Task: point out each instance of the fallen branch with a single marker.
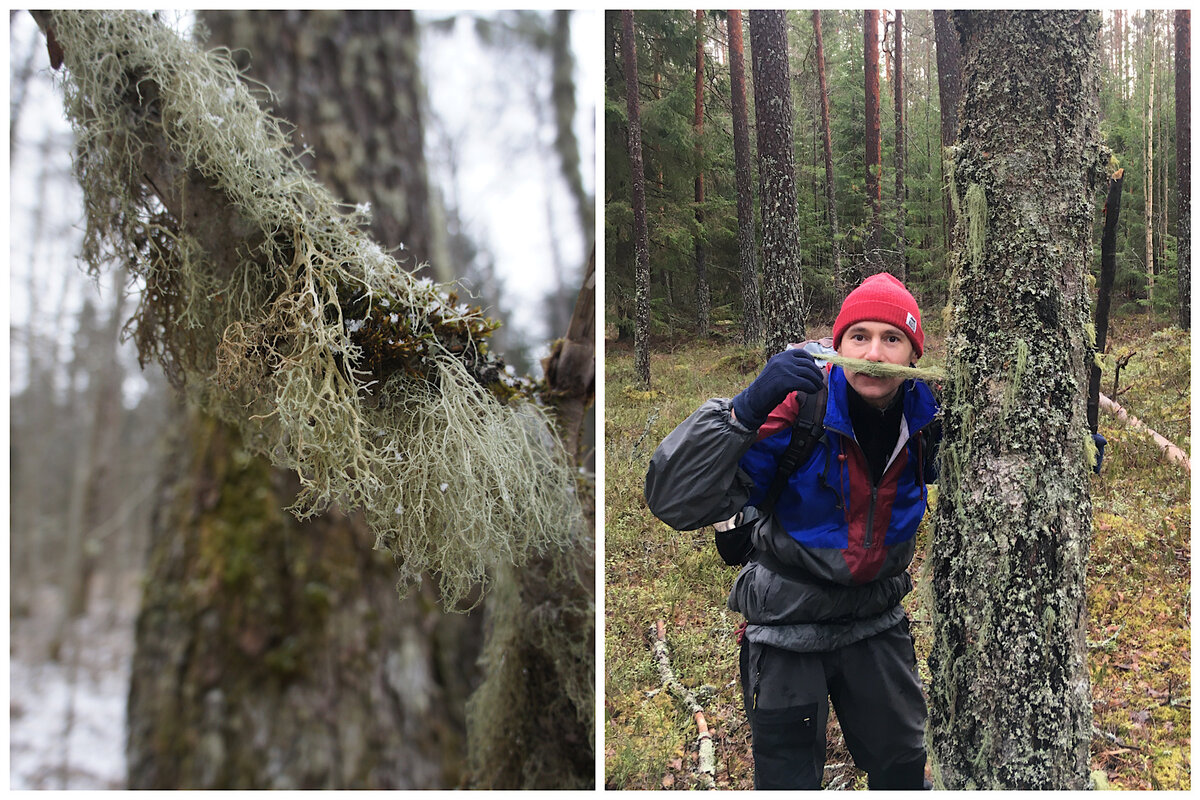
(1096, 732)
(707, 766)
(1172, 452)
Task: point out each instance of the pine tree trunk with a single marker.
(641, 322)
(783, 299)
(949, 67)
(703, 300)
(1148, 193)
(874, 142)
(1010, 704)
(1183, 161)
(752, 326)
(839, 279)
(274, 653)
(898, 83)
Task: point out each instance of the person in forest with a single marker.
(828, 554)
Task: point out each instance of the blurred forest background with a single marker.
(695, 281)
(480, 168)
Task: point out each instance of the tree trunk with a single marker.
(566, 143)
(1010, 705)
(1183, 161)
(96, 349)
(752, 326)
(873, 159)
(351, 80)
(1148, 186)
(949, 66)
(273, 653)
(783, 298)
(839, 279)
(641, 326)
(703, 300)
(898, 83)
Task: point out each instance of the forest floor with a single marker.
(1139, 591)
(67, 717)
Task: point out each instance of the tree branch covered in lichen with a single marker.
(265, 301)
(881, 369)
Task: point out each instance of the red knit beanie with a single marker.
(881, 298)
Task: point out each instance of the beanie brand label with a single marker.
(911, 322)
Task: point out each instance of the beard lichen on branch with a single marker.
(266, 302)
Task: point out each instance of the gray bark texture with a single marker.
(752, 328)
(703, 296)
(1010, 704)
(641, 319)
(784, 311)
(274, 653)
(949, 69)
(1183, 160)
(350, 85)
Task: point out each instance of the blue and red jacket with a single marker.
(831, 559)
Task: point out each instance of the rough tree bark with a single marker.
(873, 157)
(295, 664)
(1010, 705)
(949, 69)
(839, 279)
(641, 320)
(752, 327)
(1183, 160)
(703, 300)
(783, 298)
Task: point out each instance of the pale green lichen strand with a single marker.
(452, 480)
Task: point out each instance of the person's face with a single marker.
(881, 343)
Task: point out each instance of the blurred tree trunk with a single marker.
(96, 349)
(783, 298)
(949, 69)
(273, 653)
(898, 84)
(565, 141)
(752, 332)
(703, 300)
(641, 321)
(1183, 162)
(1010, 705)
(839, 279)
(874, 142)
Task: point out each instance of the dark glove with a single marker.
(786, 372)
(1100, 442)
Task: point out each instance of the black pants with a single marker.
(875, 690)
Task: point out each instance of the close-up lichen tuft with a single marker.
(266, 302)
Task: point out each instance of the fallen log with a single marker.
(1169, 449)
(707, 766)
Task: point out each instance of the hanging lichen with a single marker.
(264, 300)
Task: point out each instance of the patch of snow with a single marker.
(67, 721)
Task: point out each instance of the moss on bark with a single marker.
(1009, 701)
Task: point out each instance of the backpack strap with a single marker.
(807, 430)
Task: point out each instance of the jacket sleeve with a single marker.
(693, 479)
